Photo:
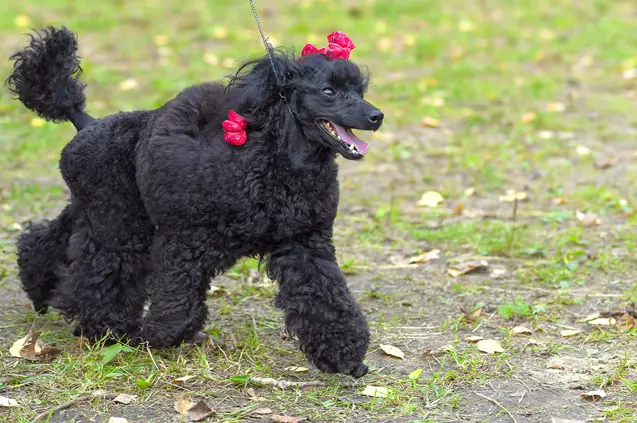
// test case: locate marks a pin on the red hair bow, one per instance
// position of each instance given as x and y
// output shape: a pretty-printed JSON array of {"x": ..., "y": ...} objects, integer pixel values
[
  {"x": 235, "y": 129},
  {"x": 339, "y": 46}
]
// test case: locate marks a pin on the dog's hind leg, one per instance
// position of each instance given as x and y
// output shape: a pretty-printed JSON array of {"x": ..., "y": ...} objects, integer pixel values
[
  {"x": 103, "y": 289},
  {"x": 41, "y": 254}
]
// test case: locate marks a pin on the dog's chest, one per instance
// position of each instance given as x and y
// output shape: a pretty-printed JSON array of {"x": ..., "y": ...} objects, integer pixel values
[{"x": 297, "y": 205}]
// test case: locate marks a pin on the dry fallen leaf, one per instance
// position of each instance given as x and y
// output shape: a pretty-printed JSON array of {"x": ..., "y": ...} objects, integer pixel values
[
  {"x": 556, "y": 363},
  {"x": 263, "y": 411},
  {"x": 469, "y": 191},
  {"x": 430, "y": 122},
  {"x": 215, "y": 291},
  {"x": 533, "y": 342},
  {"x": 392, "y": 351},
  {"x": 125, "y": 399},
  {"x": 473, "y": 339},
  {"x": 512, "y": 195},
  {"x": 587, "y": 219},
  {"x": 375, "y": 391},
  {"x": 604, "y": 163},
  {"x": 457, "y": 211},
  {"x": 297, "y": 369},
  {"x": 431, "y": 199},
  {"x": 117, "y": 420},
  {"x": 459, "y": 269},
  {"x": 200, "y": 412},
  {"x": 589, "y": 317},
  {"x": 182, "y": 405},
  {"x": 498, "y": 273},
  {"x": 32, "y": 348},
  {"x": 490, "y": 346},
  {"x": 425, "y": 257},
  {"x": 286, "y": 419},
  {"x": 128, "y": 84},
  {"x": 560, "y": 200},
  {"x": 528, "y": 117},
  {"x": 439, "y": 350},
  {"x": 594, "y": 395},
  {"x": 602, "y": 321},
  {"x": 521, "y": 331},
  {"x": 626, "y": 322},
  {"x": 8, "y": 402},
  {"x": 555, "y": 107},
  {"x": 558, "y": 420},
  {"x": 472, "y": 316},
  {"x": 567, "y": 333},
  {"x": 582, "y": 150},
  {"x": 183, "y": 379}
]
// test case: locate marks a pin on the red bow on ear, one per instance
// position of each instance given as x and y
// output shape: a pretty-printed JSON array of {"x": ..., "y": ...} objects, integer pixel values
[
  {"x": 339, "y": 47},
  {"x": 235, "y": 129}
]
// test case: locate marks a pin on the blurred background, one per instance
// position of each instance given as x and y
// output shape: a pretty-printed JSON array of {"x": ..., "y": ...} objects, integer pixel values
[{"x": 503, "y": 181}]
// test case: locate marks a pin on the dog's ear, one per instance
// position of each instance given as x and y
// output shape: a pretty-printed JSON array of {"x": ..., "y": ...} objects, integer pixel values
[{"x": 260, "y": 89}]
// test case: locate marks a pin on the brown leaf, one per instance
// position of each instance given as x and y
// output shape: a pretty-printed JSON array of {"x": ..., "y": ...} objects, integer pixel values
[
  {"x": 439, "y": 350},
  {"x": 125, "y": 399},
  {"x": 117, "y": 420},
  {"x": 521, "y": 331},
  {"x": 557, "y": 420},
  {"x": 183, "y": 379},
  {"x": 528, "y": 117},
  {"x": 215, "y": 291},
  {"x": 473, "y": 339},
  {"x": 589, "y": 317},
  {"x": 567, "y": 333},
  {"x": 457, "y": 211},
  {"x": 512, "y": 195},
  {"x": 32, "y": 348},
  {"x": 605, "y": 163},
  {"x": 472, "y": 316},
  {"x": 375, "y": 391},
  {"x": 626, "y": 322},
  {"x": 460, "y": 269},
  {"x": 8, "y": 402},
  {"x": 425, "y": 257},
  {"x": 587, "y": 219},
  {"x": 286, "y": 419},
  {"x": 200, "y": 412},
  {"x": 556, "y": 363},
  {"x": 392, "y": 351},
  {"x": 182, "y": 405},
  {"x": 602, "y": 321},
  {"x": 594, "y": 395},
  {"x": 430, "y": 122},
  {"x": 490, "y": 346},
  {"x": 263, "y": 411}
]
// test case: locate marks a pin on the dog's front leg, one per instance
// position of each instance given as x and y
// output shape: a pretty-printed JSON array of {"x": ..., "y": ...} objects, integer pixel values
[
  {"x": 177, "y": 291},
  {"x": 319, "y": 308}
]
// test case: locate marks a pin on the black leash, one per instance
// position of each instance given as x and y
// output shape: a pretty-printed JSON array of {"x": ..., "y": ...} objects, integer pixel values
[{"x": 268, "y": 49}]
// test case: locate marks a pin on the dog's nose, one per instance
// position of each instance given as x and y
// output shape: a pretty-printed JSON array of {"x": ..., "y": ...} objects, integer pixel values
[{"x": 376, "y": 117}]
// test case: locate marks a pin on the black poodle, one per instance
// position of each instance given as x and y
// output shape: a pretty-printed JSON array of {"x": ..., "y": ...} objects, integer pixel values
[{"x": 163, "y": 200}]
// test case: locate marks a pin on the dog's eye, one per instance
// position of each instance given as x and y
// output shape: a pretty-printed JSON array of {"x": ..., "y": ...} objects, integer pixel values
[{"x": 329, "y": 91}]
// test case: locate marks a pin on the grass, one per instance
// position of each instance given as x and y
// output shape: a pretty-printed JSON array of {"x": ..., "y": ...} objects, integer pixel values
[{"x": 532, "y": 96}]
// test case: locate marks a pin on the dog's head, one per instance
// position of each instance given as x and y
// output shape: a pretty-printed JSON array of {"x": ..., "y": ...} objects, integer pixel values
[{"x": 324, "y": 96}]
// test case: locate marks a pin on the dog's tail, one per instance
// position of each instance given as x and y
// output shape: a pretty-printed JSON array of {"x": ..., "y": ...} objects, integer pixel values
[{"x": 45, "y": 77}]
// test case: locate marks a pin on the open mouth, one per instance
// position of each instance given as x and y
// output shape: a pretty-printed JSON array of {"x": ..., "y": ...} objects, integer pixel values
[{"x": 345, "y": 137}]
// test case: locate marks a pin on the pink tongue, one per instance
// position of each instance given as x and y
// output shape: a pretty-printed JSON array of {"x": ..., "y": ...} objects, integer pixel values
[{"x": 349, "y": 138}]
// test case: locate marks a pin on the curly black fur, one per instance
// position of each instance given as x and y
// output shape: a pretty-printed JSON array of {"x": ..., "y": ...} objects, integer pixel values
[
  {"x": 45, "y": 77},
  {"x": 160, "y": 203}
]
